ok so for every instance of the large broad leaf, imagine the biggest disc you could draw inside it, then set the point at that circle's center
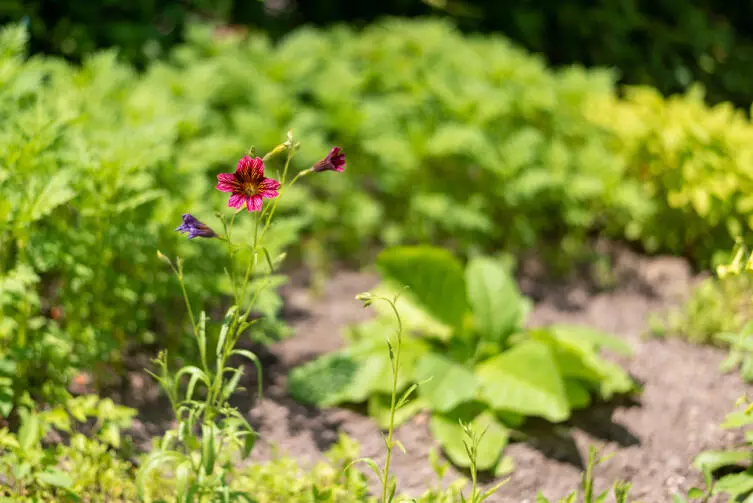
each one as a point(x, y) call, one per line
point(498, 307)
point(323, 381)
point(597, 339)
point(447, 430)
point(579, 359)
point(710, 461)
point(450, 383)
point(434, 277)
point(526, 380)
point(354, 374)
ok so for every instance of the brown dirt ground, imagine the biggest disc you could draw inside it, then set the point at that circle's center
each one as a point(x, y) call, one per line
point(653, 441)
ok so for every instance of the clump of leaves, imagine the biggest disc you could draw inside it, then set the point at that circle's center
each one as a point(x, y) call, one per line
point(692, 162)
point(465, 329)
point(88, 466)
point(727, 471)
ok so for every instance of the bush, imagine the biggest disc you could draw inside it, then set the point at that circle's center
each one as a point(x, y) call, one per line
point(694, 164)
point(92, 182)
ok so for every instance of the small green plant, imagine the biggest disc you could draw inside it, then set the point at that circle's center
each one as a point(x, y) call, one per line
point(471, 443)
point(464, 339)
point(716, 306)
point(620, 489)
point(727, 471)
point(200, 451)
point(737, 479)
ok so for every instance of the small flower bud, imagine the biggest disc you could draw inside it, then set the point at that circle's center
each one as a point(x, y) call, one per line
point(367, 298)
point(163, 257)
point(195, 227)
point(335, 161)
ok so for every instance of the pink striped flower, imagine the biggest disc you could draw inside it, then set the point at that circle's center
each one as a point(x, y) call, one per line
point(248, 184)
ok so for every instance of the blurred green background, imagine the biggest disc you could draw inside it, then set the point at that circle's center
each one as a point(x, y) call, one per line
point(664, 43)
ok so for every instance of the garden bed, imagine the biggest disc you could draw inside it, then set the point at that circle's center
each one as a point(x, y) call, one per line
point(653, 439)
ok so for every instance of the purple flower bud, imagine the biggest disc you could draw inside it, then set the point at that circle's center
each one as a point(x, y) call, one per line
point(335, 161)
point(195, 228)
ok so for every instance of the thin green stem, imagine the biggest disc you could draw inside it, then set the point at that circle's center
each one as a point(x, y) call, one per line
point(393, 403)
point(282, 190)
point(187, 301)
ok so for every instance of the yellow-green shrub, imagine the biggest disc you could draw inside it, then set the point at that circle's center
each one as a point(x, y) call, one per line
point(695, 164)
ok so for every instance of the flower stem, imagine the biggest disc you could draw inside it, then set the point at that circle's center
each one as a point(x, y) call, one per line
point(393, 404)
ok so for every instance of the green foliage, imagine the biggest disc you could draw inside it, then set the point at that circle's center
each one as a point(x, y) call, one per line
point(667, 45)
point(492, 373)
point(715, 306)
point(729, 471)
point(94, 163)
point(450, 134)
point(88, 466)
point(718, 312)
point(693, 163)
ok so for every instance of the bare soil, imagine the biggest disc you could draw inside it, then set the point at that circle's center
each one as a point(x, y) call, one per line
point(653, 441)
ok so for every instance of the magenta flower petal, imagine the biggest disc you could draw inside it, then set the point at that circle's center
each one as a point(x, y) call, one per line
point(254, 203)
point(237, 201)
point(257, 168)
point(244, 164)
point(226, 182)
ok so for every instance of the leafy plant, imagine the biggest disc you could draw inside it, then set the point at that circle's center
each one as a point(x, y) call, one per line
point(729, 471)
point(199, 452)
point(464, 329)
point(66, 472)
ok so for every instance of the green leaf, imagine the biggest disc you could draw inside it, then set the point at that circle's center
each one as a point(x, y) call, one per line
point(577, 394)
point(497, 305)
point(595, 338)
point(156, 460)
point(526, 380)
point(579, 359)
point(255, 360)
point(450, 383)
point(208, 451)
point(30, 432)
point(734, 484)
point(324, 381)
point(434, 278)
point(56, 192)
point(694, 492)
point(182, 479)
point(55, 477)
point(447, 430)
point(710, 461)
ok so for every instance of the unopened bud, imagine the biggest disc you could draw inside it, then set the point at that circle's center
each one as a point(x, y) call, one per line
point(163, 257)
point(366, 298)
